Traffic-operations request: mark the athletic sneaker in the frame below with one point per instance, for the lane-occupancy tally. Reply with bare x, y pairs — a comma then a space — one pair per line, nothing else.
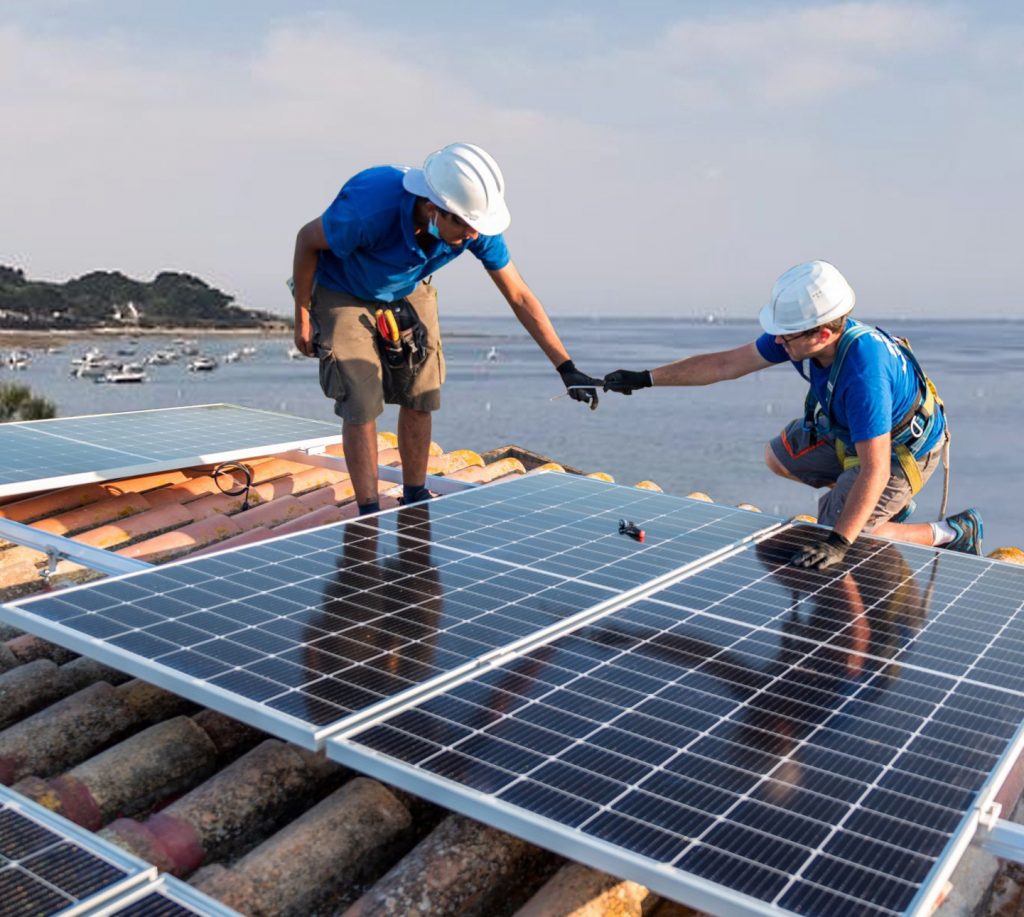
904, 514
969, 532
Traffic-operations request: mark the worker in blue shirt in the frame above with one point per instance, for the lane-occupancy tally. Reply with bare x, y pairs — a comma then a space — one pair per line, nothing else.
365, 306
873, 430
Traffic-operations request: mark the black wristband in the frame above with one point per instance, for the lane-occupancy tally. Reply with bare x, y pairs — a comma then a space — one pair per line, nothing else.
567, 367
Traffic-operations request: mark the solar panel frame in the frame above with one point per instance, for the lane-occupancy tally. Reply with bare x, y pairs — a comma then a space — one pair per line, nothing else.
100, 458
166, 897
66, 834
510, 497
479, 802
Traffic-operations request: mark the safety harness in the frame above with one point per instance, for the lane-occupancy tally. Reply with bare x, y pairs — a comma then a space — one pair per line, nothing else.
909, 436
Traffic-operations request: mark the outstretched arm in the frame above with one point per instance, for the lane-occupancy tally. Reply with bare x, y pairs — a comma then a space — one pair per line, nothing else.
533, 317
706, 368
309, 242
700, 369
530, 312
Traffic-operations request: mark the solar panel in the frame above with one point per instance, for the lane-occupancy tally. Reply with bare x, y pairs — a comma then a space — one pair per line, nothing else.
687, 711
753, 738
296, 634
49, 866
167, 897
41, 454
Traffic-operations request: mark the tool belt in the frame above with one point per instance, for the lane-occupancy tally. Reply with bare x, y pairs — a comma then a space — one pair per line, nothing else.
401, 336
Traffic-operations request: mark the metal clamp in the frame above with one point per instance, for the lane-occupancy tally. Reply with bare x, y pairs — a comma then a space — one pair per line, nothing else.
989, 815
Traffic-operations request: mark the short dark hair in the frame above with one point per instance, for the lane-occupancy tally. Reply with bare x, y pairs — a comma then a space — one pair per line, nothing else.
836, 325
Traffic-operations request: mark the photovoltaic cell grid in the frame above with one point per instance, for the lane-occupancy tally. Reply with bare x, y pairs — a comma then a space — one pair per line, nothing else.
812, 741
937, 611
46, 868
50, 453
568, 526
295, 634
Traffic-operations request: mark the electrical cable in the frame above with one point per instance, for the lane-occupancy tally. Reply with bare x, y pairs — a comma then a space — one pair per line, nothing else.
237, 489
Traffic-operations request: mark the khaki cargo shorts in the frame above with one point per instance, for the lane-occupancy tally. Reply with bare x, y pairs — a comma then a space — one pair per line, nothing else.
818, 465
352, 371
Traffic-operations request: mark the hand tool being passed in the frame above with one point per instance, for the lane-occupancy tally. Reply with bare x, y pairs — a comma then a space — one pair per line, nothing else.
632, 529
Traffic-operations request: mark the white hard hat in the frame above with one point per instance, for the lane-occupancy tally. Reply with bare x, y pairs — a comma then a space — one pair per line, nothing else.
465, 180
811, 294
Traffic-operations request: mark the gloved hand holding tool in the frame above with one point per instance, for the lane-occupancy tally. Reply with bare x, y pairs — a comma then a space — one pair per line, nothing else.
822, 554
626, 381
580, 386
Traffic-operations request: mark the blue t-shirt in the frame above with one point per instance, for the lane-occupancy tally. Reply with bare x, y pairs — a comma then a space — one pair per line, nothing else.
875, 390
373, 252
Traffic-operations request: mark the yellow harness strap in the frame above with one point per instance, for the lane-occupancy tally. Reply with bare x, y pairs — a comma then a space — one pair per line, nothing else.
902, 455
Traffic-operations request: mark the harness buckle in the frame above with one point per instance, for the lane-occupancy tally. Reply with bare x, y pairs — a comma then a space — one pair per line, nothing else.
916, 426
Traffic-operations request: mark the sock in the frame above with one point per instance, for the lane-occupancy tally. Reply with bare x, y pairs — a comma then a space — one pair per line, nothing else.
942, 533
366, 508
414, 493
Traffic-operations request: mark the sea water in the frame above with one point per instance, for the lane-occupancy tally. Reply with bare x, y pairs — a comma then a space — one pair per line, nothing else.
501, 390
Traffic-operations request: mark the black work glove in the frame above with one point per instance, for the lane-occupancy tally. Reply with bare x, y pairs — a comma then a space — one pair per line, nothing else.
626, 381
572, 376
823, 554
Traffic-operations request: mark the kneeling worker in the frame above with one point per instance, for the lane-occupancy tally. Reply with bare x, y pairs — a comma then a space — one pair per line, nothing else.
364, 304
873, 430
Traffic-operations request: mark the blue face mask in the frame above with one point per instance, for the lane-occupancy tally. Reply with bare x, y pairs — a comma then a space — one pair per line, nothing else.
432, 228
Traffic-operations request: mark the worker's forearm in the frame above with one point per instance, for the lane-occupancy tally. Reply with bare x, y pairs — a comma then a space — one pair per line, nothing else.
861, 501
303, 272
535, 320
701, 369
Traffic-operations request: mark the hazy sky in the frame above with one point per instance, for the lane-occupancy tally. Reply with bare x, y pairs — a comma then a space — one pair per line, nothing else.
661, 157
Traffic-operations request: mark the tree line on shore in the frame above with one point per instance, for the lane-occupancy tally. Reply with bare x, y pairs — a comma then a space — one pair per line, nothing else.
104, 298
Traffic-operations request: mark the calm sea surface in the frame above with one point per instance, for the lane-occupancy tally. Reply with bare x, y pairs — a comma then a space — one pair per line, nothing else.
707, 439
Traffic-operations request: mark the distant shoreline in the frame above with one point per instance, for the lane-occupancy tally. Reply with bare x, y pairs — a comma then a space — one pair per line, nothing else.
13, 337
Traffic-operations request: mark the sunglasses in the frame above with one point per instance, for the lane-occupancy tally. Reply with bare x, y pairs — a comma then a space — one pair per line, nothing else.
789, 338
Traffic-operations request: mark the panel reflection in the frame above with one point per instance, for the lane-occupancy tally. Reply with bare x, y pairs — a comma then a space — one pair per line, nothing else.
799, 706
373, 632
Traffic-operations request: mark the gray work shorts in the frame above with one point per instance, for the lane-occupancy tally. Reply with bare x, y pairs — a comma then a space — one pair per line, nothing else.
818, 465
352, 371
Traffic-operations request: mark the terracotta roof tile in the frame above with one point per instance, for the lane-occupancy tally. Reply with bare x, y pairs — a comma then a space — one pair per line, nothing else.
94, 514
322, 516
547, 466
251, 536
185, 491
146, 482
331, 495
484, 473
348, 837
163, 519
275, 512
54, 501
15, 572
181, 541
